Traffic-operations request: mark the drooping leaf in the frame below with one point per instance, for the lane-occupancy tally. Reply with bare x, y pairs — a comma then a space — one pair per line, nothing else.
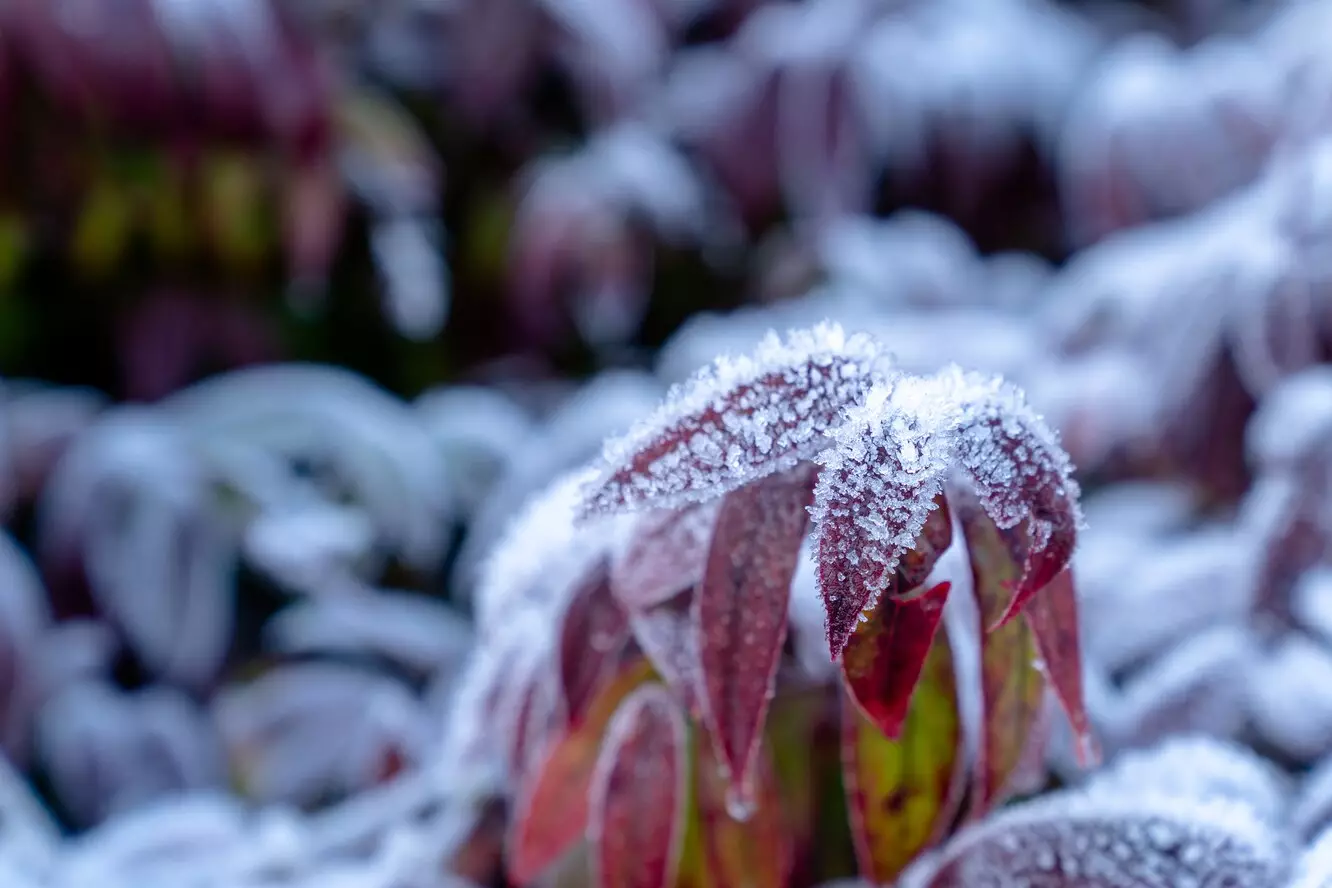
883, 661
740, 610
667, 554
754, 851
737, 420
1021, 475
875, 495
551, 811
903, 793
592, 634
1053, 619
666, 634
1012, 688
1138, 838
638, 793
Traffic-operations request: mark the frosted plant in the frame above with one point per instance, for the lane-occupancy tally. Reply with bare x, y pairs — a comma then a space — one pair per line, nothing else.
1216, 106
327, 475
581, 247
680, 572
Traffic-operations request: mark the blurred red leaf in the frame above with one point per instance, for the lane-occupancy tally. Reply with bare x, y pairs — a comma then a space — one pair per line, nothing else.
638, 794
902, 793
740, 610
666, 634
666, 555
754, 852
551, 812
594, 631
1012, 688
883, 661
1053, 619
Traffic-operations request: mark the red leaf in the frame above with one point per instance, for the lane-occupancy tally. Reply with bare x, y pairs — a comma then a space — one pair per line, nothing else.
934, 539
666, 555
737, 420
884, 658
666, 634
638, 794
1022, 476
594, 631
740, 610
551, 811
1053, 618
1012, 689
875, 496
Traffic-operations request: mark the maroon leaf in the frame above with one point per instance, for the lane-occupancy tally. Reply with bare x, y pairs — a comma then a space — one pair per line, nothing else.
875, 496
1012, 689
666, 555
666, 635
883, 661
737, 420
594, 631
1021, 475
1053, 618
638, 793
935, 538
740, 610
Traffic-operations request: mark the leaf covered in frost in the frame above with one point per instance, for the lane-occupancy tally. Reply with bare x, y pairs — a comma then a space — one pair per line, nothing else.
740, 610
638, 793
737, 420
903, 793
875, 494
1020, 473
1138, 839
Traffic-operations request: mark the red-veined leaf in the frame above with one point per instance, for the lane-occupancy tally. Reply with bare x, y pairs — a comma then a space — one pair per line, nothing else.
638, 793
1012, 688
884, 659
737, 420
1053, 619
666, 634
667, 554
755, 852
551, 812
740, 611
902, 793
594, 631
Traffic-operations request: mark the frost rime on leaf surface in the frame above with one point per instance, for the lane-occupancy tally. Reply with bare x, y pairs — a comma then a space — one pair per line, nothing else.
890, 461
875, 494
738, 420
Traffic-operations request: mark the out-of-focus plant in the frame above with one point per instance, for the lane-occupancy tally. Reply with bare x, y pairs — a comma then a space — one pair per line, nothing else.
631, 661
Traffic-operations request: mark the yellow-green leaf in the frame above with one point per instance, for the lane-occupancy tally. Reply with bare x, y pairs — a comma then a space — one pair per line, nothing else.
902, 793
